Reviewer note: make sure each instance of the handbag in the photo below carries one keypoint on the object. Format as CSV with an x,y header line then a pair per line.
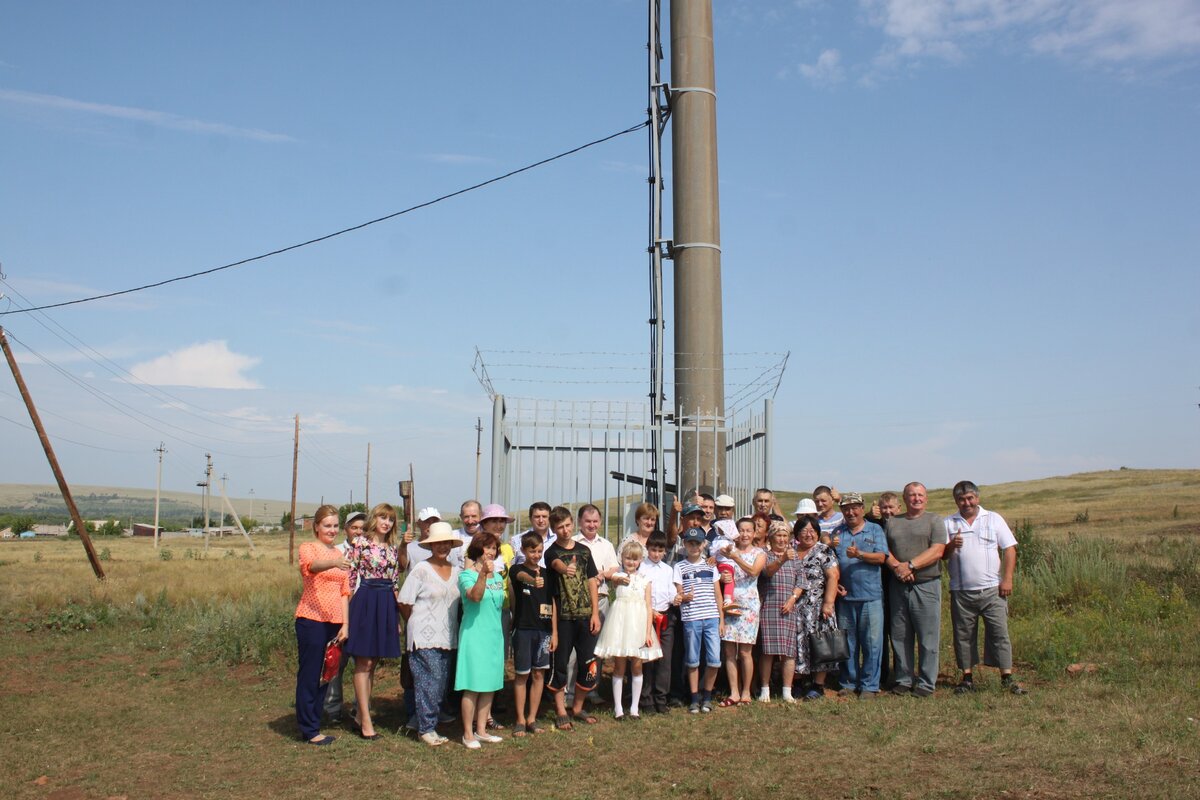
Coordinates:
x,y
830,645
333,661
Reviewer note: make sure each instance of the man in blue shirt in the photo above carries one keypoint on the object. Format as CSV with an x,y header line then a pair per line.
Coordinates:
x,y
861,552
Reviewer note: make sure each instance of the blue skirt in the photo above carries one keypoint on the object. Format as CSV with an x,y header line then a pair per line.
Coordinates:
x,y
373,621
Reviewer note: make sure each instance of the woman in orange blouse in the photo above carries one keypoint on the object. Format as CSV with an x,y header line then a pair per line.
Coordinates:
x,y
320,617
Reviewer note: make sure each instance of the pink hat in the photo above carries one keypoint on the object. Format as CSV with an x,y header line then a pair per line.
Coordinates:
x,y
494,511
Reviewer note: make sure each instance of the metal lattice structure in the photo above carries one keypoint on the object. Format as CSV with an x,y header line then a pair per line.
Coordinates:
x,y
571,452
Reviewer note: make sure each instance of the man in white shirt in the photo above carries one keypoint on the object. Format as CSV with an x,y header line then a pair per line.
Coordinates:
x,y
982,552
539,522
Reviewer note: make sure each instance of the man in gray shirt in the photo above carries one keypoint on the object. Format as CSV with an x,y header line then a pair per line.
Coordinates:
x,y
916,542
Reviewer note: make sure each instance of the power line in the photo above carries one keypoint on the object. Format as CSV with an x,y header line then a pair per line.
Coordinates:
x,y
116,369
65,439
343,231
129,411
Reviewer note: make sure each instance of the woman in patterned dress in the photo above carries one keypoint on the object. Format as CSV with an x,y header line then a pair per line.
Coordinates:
x,y
374,623
779,582
814,608
741,631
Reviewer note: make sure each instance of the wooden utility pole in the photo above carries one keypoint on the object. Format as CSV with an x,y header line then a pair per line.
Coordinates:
x,y
295,465
367,502
80,527
162,448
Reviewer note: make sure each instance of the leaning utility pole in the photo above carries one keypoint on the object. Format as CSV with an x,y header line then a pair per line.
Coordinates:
x,y
699,339
367,502
295,464
80,527
162,448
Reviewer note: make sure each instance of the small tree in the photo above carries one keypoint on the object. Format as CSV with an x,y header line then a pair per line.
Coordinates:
x,y
347,509
285,520
22,524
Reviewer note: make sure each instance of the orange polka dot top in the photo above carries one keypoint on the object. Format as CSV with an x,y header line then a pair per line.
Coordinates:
x,y
322,596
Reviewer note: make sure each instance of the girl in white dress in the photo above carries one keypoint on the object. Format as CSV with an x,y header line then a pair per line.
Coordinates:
x,y
628,632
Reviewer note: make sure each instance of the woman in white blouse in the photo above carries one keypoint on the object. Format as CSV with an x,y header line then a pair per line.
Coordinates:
x,y
429,603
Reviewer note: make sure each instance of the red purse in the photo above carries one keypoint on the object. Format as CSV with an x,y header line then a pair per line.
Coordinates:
x,y
333,661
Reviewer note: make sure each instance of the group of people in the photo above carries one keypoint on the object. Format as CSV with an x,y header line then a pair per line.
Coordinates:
x,y
672,606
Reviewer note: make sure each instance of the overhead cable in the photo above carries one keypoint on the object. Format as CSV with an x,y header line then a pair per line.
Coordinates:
x,y
343,231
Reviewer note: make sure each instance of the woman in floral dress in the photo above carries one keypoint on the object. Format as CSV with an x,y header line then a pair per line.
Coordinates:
x,y
814,608
374,624
741,631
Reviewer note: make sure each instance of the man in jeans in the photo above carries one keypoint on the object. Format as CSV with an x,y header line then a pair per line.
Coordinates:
x,y
982,554
916,542
861,552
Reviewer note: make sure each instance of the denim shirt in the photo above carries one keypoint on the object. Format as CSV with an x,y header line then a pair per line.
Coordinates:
x,y
863,581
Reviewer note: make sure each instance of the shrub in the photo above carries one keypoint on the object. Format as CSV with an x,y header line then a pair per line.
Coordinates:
x,y
105,554
1083,516
165,554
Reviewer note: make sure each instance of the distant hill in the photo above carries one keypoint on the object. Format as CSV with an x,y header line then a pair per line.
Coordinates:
x,y
113,502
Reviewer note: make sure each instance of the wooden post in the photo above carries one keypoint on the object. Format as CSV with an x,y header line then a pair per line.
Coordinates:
x,y
80,527
295,463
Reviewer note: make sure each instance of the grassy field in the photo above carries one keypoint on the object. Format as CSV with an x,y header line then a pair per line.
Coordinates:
x,y
174,679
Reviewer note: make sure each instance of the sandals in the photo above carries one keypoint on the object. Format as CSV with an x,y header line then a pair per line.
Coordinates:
x,y
563,723
519,730
728,702
586,718
743,702
533,727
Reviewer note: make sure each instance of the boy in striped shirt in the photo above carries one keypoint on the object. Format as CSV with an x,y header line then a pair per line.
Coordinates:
x,y
698,593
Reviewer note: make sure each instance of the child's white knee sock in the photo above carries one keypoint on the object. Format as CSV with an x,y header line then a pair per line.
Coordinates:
x,y
635,688
764,694
618,684
787,693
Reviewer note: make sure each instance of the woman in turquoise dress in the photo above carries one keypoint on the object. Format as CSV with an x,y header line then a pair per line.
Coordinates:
x,y
480,667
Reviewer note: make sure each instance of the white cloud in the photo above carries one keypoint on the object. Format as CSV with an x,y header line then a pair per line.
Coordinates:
x,y
208,365
161,119
1091,30
826,70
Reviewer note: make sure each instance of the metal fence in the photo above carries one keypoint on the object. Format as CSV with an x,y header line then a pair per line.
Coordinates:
x,y
572,452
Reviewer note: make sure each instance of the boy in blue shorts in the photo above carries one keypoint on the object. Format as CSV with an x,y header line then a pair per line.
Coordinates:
x,y
698,593
536,634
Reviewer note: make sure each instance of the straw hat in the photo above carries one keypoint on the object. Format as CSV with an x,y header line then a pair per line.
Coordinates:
x,y
440,532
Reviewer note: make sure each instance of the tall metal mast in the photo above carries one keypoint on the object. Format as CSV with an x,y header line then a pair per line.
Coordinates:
x,y
699,339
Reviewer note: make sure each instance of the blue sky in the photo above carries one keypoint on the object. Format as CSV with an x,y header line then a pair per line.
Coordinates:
x,y
973,223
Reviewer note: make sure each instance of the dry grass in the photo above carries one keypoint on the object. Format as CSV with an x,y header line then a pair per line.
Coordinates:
x,y
124,707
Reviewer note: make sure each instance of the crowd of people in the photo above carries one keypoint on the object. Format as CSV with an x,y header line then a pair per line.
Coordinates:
x,y
842,598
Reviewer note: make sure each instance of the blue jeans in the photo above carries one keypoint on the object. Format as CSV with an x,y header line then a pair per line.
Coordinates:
x,y
863,623
702,634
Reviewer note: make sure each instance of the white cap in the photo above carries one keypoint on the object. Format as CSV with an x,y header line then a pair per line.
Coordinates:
x,y
724,501
428,513
806,507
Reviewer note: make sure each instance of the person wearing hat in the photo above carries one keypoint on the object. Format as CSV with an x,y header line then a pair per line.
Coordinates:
x,y
355,524
698,594
429,602
724,534
690,515
410,552
861,552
